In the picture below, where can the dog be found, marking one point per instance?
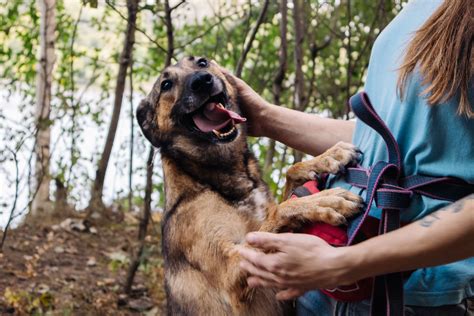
(214, 193)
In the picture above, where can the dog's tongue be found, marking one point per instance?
(215, 116)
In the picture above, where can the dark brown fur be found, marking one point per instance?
(215, 196)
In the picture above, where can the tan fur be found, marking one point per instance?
(215, 196)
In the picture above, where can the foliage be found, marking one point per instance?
(25, 302)
(338, 38)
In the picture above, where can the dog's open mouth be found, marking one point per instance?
(216, 120)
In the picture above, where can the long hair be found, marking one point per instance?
(441, 50)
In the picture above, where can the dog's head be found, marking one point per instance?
(192, 103)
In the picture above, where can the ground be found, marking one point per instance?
(70, 269)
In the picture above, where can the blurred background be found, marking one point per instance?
(81, 190)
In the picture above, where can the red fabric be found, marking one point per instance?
(337, 236)
(334, 235)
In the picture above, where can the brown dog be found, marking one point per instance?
(215, 194)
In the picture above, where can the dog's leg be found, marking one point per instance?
(331, 161)
(331, 206)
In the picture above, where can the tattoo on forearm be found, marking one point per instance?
(456, 207)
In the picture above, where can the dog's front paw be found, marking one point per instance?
(341, 201)
(331, 206)
(335, 159)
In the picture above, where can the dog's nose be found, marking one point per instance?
(201, 82)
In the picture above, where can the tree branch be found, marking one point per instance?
(12, 210)
(136, 28)
(176, 6)
(248, 46)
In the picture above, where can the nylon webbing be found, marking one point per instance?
(392, 194)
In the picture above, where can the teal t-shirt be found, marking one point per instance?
(433, 141)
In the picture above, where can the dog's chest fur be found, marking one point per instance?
(255, 204)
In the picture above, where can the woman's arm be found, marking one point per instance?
(308, 133)
(302, 262)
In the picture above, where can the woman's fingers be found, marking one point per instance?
(260, 260)
(266, 241)
(289, 294)
(253, 270)
(262, 273)
(255, 281)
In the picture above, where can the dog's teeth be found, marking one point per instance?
(221, 135)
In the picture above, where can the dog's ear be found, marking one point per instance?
(146, 117)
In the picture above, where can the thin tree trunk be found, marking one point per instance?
(11, 215)
(280, 173)
(132, 131)
(267, 165)
(299, 97)
(248, 46)
(96, 202)
(143, 226)
(74, 105)
(41, 203)
(278, 78)
(169, 34)
(349, 59)
(314, 49)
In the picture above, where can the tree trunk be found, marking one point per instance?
(299, 98)
(169, 34)
(132, 131)
(349, 59)
(96, 202)
(143, 225)
(278, 79)
(41, 203)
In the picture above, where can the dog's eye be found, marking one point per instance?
(202, 62)
(166, 85)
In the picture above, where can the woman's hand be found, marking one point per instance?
(306, 132)
(295, 263)
(251, 104)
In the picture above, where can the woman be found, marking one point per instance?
(420, 81)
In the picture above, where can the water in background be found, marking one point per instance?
(89, 144)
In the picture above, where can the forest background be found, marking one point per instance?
(72, 159)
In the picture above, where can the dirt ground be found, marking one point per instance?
(70, 269)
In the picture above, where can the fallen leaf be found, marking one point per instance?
(120, 256)
(109, 281)
(155, 311)
(72, 250)
(91, 262)
(42, 288)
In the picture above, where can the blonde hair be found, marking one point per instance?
(442, 52)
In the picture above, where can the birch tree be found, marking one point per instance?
(41, 202)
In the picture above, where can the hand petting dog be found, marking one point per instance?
(293, 263)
